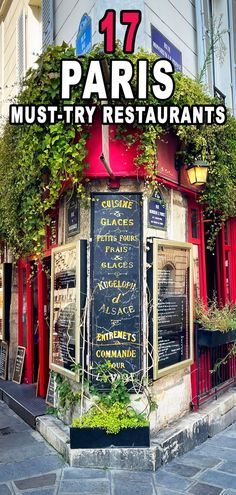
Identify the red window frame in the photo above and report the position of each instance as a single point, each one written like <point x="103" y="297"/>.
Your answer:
<point x="200" y="242"/>
<point x="224" y="250"/>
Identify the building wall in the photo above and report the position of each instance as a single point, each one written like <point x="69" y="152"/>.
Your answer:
<point x="224" y="71"/>
<point x="67" y="16"/>
<point x="11" y="50"/>
<point x="171" y="18"/>
<point x="176" y="21"/>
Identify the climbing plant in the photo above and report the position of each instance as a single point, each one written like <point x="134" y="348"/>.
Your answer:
<point x="35" y="160"/>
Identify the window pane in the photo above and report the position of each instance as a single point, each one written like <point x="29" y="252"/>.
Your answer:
<point x="196" y="277"/>
<point x="226" y="233"/>
<point x="194" y="223"/>
<point x="227" y="270"/>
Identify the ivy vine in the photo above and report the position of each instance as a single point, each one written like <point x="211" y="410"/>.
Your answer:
<point x="35" y="160"/>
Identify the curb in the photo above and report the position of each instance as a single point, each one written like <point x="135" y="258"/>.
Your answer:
<point x="177" y="439"/>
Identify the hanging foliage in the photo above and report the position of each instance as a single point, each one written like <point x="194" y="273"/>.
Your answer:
<point x="35" y="159"/>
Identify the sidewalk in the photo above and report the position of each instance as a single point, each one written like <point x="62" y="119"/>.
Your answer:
<point x="28" y="465"/>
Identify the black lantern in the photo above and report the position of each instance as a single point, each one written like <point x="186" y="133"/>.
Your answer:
<point x="197" y="172"/>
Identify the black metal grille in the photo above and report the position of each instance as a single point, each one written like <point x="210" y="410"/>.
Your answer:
<point x="211" y="380"/>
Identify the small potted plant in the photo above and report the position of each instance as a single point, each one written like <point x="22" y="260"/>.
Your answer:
<point x="111" y="420"/>
<point x="215" y="325"/>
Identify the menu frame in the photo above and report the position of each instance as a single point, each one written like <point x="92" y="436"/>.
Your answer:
<point x="20" y="357"/>
<point x="158" y="373"/>
<point x="138" y="198"/>
<point x="52" y="365"/>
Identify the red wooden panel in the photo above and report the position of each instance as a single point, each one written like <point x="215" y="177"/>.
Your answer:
<point x="43" y="332"/>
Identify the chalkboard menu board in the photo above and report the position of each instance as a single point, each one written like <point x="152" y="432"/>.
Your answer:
<point x="115" y="280"/>
<point x="172" y="305"/>
<point x="19" y="364"/>
<point x="73" y="216"/>
<point x="3" y="360"/>
<point x="68" y="280"/>
<point x="64" y="307"/>
<point x="157" y="212"/>
<point x="51" y="391"/>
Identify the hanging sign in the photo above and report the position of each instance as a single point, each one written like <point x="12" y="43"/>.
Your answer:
<point x="73" y="216"/>
<point x="157" y="214"/>
<point x="116" y="301"/>
<point x="84" y="36"/>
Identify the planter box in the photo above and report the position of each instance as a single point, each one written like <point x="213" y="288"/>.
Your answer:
<point x="97" y="438"/>
<point x="214" y="338"/>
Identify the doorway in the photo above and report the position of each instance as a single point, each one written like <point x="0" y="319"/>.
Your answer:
<point x="33" y="320"/>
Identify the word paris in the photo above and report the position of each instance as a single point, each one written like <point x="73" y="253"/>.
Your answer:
<point x="121" y="74"/>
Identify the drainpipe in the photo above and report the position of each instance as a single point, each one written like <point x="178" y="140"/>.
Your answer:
<point x="200" y="37"/>
<point x="231" y="54"/>
<point x="212" y="52"/>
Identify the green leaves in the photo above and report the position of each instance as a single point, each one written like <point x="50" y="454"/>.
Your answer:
<point x="111" y="418"/>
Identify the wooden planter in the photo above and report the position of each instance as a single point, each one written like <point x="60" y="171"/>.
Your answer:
<point x="214" y="338"/>
<point x="97" y="438"/>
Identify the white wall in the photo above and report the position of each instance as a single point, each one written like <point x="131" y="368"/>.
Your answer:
<point x="67" y="16"/>
<point x="175" y="20"/>
<point x="222" y="65"/>
<point x="8" y="46"/>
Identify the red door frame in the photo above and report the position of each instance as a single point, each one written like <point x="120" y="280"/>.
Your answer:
<point x="43" y="332"/>
<point x="200" y="242"/>
<point x="29" y="354"/>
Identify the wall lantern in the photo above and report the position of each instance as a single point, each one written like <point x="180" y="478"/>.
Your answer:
<point x="197" y="172"/>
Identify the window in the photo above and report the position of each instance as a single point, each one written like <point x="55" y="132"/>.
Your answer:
<point x="171" y="295"/>
<point x="47" y="18"/>
<point x="196" y="237"/>
<point x="167" y="279"/>
<point x="68" y="293"/>
<point x="21" y="45"/>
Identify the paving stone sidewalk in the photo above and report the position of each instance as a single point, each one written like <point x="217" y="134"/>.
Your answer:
<point x="28" y="465"/>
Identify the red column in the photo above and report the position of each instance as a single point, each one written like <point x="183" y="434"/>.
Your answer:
<point x="29" y="360"/>
<point x="43" y="332"/>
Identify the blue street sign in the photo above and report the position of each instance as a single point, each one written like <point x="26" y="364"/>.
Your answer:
<point x="84" y="36"/>
<point x="164" y="48"/>
<point x="157" y="212"/>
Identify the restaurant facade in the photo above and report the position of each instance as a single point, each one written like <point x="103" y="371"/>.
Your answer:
<point x="118" y="281"/>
